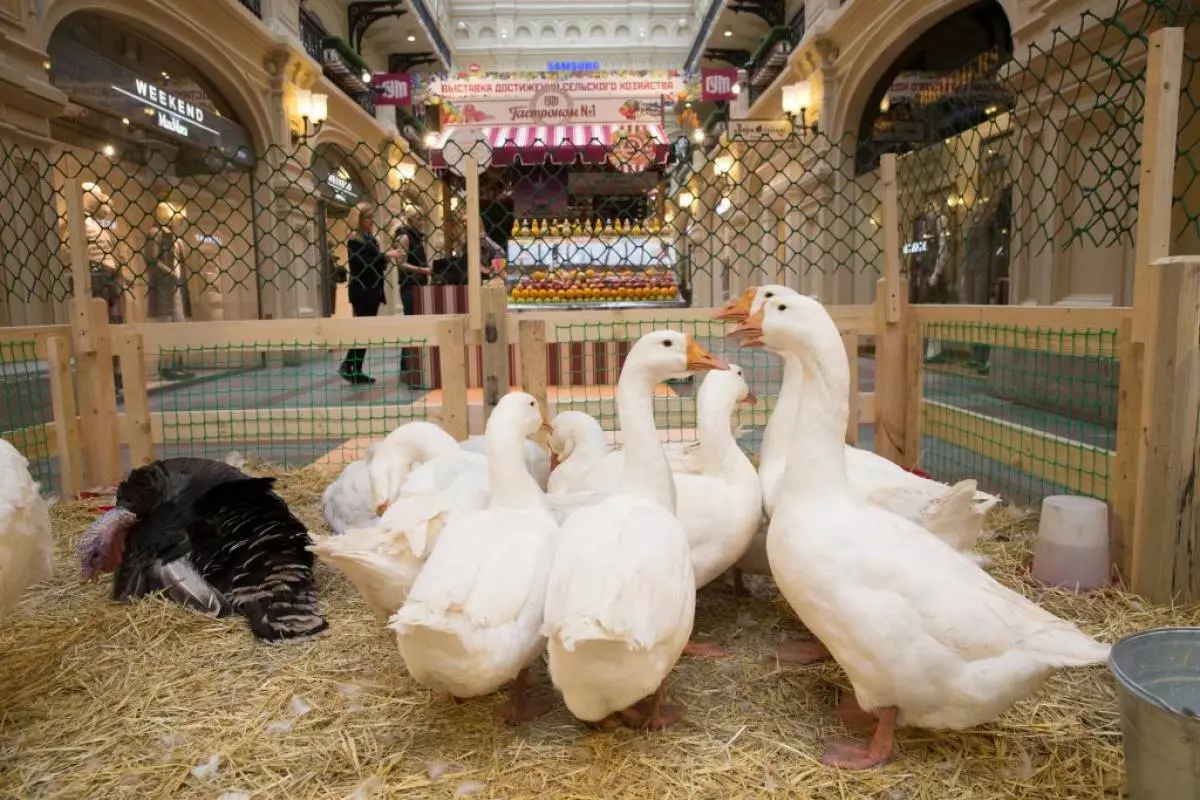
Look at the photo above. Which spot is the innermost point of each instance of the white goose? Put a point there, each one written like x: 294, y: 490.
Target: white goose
x: 622, y: 593
x: 720, y: 505
x: 953, y: 513
x: 925, y: 636
x: 473, y: 619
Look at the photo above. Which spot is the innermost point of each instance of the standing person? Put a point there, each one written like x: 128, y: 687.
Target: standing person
x: 368, y: 265
x: 408, y: 241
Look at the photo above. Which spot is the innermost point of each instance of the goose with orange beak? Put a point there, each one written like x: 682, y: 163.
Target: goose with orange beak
x: 621, y: 599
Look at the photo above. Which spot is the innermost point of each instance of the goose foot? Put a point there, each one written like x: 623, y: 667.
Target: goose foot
x: 706, y: 650
x: 609, y: 723
x: 652, y: 714
x: 852, y: 716
x: 522, y: 705
x: 458, y: 701
x: 809, y: 651
x: 853, y: 755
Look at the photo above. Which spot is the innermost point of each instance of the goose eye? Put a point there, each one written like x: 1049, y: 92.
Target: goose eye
x: 532, y: 403
x: 666, y: 342
x: 783, y: 308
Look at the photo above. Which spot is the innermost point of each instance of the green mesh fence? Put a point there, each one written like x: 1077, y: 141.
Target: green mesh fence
x: 289, y: 403
x: 1027, y: 412
x: 25, y: 408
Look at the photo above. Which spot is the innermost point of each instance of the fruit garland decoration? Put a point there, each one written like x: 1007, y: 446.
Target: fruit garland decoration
x: 632, y: 150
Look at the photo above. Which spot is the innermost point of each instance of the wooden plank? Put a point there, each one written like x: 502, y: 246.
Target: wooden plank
x: 1156, y: 183
x: 850, y: 342
x: 452, y: 354
x: 35, y: 442
x: 891, y: 237
x: 77, y: 249
x: 1166, y: 530
x: 137, y: 399
x: 890, y: 352
x: 914, y: 380
x: 474, y: 265
x: 1129, y: 422
x: 69, y: 446
x: 496, y: 380
x: 98, y: 399
x: 271, y: 333
x: 532, y: 333
x: 629, y: 324
x: 280, y: 424
x: 1079, y: 467
x: 1050, y: 317
x: 40, y: 334
x: 1093, y: 343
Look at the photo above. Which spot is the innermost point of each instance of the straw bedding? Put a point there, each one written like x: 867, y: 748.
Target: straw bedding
x: 148, y: 700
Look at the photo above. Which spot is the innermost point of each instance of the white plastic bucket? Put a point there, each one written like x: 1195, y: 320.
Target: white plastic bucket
x: 1071, y: 550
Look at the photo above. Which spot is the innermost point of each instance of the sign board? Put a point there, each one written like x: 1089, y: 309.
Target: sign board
x: 626, y: 85
x: 333, y: 180
x: 551, y: 107
x: 776, y: 130
x: 919, y: 246
x: 181, y: 111
x: 907, y: 86
x: 613, y: 184
x: 573, y: 66
x: 395, y: 89
x: 717, y: 85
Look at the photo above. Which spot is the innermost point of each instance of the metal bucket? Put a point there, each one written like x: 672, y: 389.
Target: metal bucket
x: 1158, y: 686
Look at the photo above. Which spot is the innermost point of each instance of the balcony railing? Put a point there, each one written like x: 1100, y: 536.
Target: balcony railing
x: 255, y: 7
x: 772, y: 54
x: 341, y: 65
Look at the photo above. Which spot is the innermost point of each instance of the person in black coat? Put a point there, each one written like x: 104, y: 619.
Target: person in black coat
x: 368, y: 279
x: 408, y: 238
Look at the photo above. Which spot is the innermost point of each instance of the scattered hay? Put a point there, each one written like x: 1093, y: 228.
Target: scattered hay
x: 147, y: 700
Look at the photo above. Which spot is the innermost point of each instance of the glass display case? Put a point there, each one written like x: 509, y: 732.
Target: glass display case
x: 578, y: 264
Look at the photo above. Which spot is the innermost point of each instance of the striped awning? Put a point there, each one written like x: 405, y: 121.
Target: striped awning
x: 562, y: 144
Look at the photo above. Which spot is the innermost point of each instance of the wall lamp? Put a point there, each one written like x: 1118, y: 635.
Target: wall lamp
x: 312, y: 109
x: 797, y: 98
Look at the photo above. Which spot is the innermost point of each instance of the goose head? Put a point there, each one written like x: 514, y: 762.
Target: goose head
x: 740, y: 308
x: 793, y: 323
x: 390, y: 463
x: 727, y: 388
x: 518, y: 412
x: 662, y: 355
x: 573, y: 431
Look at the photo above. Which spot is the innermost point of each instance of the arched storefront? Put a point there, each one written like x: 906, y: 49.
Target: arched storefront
x: 341, y: 188
x: 937, y: 99
x: 168, y: 177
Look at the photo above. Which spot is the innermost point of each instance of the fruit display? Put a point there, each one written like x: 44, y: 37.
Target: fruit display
x: 596, y: 286
x: 556, y: 228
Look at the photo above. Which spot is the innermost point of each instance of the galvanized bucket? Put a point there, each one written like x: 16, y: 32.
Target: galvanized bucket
x: 1158, y: 686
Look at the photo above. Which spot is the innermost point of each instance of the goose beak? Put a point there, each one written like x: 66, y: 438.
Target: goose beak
x: 737, y: 309
x: 750, y: 330
x: 750, y: 399
x: 700, y: 360
x: 381, y: 508
x: 545, y: 428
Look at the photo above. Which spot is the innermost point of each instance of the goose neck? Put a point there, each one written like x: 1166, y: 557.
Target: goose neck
x: 816, y: 461
x: 646, y: 473
x: 508, y: 475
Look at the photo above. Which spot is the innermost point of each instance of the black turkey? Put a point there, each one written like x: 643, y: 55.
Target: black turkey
x: 211, y: 538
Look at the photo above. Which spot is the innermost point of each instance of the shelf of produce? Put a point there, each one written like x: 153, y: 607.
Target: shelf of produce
x: 600, y: 306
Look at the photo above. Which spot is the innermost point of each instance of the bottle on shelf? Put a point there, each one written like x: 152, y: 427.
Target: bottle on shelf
x: 525, y: 229
x: 597, y: 229
x: 637, y: 229
x: 516, y: 227
x: 545, y: 228
x: 535, y: 230
x: 608, y: 227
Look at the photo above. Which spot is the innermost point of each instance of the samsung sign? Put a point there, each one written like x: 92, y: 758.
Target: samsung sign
x: 573, y: 66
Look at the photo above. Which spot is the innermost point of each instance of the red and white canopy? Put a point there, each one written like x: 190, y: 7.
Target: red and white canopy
x: 563, y: 144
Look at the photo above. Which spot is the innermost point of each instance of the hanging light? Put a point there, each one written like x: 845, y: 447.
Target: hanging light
x: 686, y: 198
x: 698, y: 136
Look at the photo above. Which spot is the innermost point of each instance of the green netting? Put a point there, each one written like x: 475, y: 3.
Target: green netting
x: 286, y: 402
x: 25, y: 408
x: 587, y: 359
x: 1028, y: 412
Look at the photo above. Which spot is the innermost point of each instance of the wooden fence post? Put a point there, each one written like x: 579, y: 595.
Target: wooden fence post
x: 93, y: 353
x: 1166, y: 524
x: 452, y: 356
x: 1124, y: 480
x: 132, y: 354
x: 494, y: 356
x: 534, y: 378
x: 66, y: 417
x: 914, y: 408
x: 890, y: 330
x: 1151, y: 552
x: 474, y: 263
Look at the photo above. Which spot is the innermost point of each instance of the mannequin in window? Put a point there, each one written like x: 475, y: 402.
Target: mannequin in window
x: 167, y: 295
x: 101, y: 227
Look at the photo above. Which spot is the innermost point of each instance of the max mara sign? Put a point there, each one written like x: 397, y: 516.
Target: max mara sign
x: 170, y: 113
